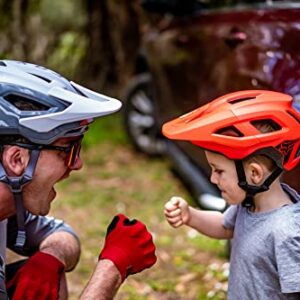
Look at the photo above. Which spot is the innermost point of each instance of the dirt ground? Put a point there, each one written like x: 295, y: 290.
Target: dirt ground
x: 117, y: 179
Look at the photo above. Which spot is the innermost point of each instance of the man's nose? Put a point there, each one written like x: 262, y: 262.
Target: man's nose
x: 77, y: 165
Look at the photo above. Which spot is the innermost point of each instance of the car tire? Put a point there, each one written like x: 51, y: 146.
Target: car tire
x: 139, y: 116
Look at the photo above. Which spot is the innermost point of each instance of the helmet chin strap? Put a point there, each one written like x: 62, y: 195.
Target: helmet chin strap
x: 252, y: 190
x: 16, y: 184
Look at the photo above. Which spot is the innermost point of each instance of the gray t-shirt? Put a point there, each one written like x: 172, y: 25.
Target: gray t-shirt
x: 37, y: 229
x: 265, y: 255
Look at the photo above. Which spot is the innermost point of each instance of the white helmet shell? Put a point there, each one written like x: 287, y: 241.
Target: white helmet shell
x: 64, y: 108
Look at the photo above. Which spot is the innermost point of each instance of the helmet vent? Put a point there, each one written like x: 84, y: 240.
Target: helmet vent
x: 233, y: 101
x: 295, y: 117
x: 41, y: 77
x: 229, y: 131
x: 298, y: 152
x: 265, y: 126
x: 79, y: 91
x: 25, y: 104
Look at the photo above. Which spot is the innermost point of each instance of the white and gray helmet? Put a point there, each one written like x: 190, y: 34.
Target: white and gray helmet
x: 64, y: 107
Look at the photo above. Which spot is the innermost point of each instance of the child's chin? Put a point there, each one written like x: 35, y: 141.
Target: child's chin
x: 233, y: 201
x: 225, y: 197
x: 228, y: 200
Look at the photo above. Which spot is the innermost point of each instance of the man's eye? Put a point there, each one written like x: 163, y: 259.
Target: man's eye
x: 218, y: 171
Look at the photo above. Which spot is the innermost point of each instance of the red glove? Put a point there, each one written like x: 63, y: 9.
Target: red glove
x: 129, y: 246
x: 38, y: 278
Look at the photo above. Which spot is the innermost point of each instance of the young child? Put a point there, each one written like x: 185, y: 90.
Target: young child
x: 249, y: 138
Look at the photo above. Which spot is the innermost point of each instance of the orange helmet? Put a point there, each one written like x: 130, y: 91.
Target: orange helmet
x: 240, y: 113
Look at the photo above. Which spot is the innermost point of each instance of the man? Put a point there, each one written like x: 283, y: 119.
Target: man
x: 43, y: 118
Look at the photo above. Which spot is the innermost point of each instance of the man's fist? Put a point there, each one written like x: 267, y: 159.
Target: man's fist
x: 129, y: 245
x: 38, y: 278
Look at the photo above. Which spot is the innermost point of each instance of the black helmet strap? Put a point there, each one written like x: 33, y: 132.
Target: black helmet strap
x: 252, y: 190
x: 16, y: 185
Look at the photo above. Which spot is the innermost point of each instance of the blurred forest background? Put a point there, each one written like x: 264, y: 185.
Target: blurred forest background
x: 92, y: 42
x: 96, y: 43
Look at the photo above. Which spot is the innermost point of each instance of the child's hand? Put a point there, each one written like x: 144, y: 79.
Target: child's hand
x: 177, y: 212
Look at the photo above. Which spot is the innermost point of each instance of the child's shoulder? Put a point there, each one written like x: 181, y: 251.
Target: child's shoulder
x: 287, y: 222
x: 294, y: 195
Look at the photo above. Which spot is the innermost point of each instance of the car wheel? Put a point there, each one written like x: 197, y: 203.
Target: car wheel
x: 139, y: 116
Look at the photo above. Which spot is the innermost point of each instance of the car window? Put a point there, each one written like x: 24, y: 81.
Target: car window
x: 213, y: 4
x: 190, y: 7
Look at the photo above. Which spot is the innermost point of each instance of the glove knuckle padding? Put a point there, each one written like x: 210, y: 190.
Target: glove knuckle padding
x: 139, y: 229
x: 128, y: 246
x: 128, y: 222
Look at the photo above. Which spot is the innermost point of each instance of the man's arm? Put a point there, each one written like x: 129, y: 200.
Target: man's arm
x: 53, y: 248
x: 64, y: 246
x: 128, y: 249
x: 104, y: 283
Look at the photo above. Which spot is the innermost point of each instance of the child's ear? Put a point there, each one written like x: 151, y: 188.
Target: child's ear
x: 255, y: 173
x: 15, y: 160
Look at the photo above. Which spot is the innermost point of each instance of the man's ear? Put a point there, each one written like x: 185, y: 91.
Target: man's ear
x: 15, y: 160
x: 255, y: 173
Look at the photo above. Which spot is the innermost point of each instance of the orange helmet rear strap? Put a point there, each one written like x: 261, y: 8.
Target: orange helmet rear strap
x: 252, y: 190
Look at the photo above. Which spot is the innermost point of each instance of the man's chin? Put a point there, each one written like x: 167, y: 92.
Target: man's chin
x: 44, y: 210
x: 39, y: 212
x: 52, y: 195
x: 43, y: 213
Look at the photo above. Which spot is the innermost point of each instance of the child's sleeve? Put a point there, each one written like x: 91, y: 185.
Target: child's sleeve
x: 230, y: 217
x: 288, y: 264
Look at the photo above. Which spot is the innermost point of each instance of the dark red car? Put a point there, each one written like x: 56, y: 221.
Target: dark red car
x: 195, y: 55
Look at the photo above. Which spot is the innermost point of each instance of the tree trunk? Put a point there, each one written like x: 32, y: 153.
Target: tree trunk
x: 13, y: 28
x: 113, y: 40
x: 18, y: 29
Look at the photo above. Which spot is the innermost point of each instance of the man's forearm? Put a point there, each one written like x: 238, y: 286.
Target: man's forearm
x: 64, y: 246
x: 104, y: 283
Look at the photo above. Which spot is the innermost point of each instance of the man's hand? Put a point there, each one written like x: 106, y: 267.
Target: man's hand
x: 129, y: 246
x: 38, y: 278
x: 177, y: 212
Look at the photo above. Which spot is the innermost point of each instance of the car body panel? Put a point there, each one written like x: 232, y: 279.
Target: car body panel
x: 196, y: 59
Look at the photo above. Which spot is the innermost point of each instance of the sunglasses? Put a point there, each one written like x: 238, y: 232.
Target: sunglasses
x: 72, y: 151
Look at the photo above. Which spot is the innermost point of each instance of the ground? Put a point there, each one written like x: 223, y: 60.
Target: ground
x: 117, y: 179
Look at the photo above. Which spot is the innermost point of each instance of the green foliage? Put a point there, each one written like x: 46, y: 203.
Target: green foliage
x: 203, y: 243
x: 63, y: 15
x: 68, y: 54
x: 104, y: 130
x: 66, y: 20
x: 4, y: 55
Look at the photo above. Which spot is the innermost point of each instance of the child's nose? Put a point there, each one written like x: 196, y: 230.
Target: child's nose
x: 213, y: 178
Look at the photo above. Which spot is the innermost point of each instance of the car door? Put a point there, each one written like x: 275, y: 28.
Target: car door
x: 225, y: 47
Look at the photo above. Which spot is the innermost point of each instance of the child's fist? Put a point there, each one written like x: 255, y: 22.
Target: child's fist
x: 177, y: 212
